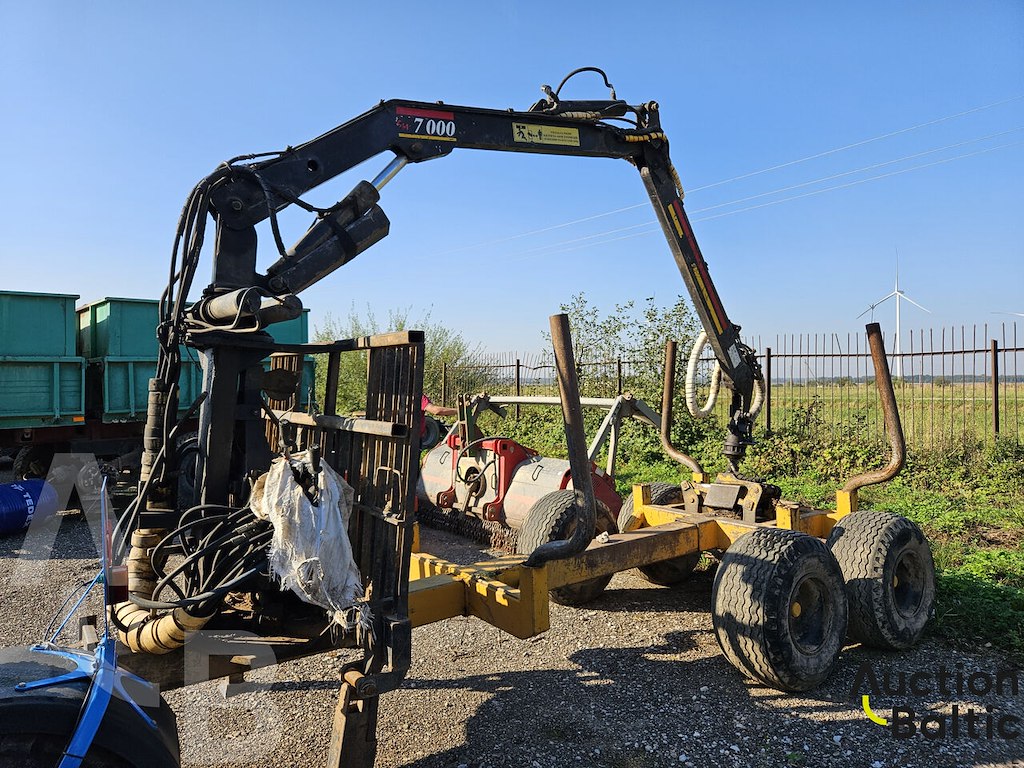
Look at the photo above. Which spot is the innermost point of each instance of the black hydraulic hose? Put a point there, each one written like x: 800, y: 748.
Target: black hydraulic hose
x: 213, y: 594
x: 233, y: 537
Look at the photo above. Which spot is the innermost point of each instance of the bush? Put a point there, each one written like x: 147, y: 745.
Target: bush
x: 441, y: 346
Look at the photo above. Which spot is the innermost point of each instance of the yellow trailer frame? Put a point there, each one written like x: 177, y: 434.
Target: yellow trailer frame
x: 514, y: 598
x: 508, y: 594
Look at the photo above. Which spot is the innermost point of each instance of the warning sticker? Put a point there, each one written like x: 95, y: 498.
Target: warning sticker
x: 734, y: 356
x: 525, y: 133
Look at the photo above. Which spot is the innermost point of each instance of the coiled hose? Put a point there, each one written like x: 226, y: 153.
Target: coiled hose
x: 221, y: 548
x: 141, y: 629
x: 690, y: 388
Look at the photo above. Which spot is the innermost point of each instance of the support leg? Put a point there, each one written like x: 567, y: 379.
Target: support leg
x: 354, y: 737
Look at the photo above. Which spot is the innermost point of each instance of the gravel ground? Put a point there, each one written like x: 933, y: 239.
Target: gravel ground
x: 636, y: 680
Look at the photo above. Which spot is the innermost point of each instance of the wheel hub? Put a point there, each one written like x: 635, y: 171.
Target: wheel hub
x: 810, y: 615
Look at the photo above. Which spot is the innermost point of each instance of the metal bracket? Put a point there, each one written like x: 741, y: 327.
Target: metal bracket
x: 106, y: 681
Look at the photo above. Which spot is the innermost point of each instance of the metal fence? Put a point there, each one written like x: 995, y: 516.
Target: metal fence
x: 952, y: 384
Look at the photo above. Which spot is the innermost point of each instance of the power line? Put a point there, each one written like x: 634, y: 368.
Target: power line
x: 540, y: 248
x: 559, y: 247
x: 541, y: 230
x: 633, y: 207
x: 862, y: 181
x: 859, y: 170
x: 861, y: 143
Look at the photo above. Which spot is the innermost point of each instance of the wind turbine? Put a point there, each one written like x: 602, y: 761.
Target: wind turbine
x: 898, y: 294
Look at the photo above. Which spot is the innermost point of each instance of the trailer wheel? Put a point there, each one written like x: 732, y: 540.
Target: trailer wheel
x: 667, y: 573
x: 434, y: 431
x: 188, y: 460
x: 779, y: 608
x: 35, y: 726
x: 553, y: 518
x: 43, y: 750
x: 33, y: 462
x: 890, y: 577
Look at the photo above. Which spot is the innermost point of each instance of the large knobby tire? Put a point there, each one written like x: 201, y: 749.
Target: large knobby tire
x: 779, y: 608
x: 667, y: 573
x: 553, y: 518
x: 890, y: 578
x: 33, y: 462
x: 35, y: 726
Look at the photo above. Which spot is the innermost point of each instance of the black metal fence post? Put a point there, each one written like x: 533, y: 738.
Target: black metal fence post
x: 519, y: 384
x: 768, y: 390
x: 995, y: 389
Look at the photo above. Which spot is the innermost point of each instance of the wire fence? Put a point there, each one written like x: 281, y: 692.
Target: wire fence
x: 952, y: 384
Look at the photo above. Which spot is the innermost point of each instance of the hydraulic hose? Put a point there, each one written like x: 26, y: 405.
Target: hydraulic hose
x: 691, y: 381
x: 690, y: 388
x: 142, y: 630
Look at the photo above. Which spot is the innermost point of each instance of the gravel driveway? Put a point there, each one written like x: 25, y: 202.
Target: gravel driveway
x: 636, y: 680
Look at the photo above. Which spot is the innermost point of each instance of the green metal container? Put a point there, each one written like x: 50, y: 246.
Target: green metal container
x: 37, y: 324
x: 42, y: 381
x: 119, y: 386
x: 41, y: 391
x: 115, y: 327
x: 118, y: 336
x: 291, y: 331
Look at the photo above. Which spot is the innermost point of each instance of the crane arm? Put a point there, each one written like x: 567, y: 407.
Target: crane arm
x: 418, y: 131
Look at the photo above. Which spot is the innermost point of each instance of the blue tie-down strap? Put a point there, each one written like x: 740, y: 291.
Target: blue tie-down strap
x: 106, y: 681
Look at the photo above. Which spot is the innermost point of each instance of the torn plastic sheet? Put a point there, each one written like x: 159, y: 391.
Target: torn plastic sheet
x: 310, y: 553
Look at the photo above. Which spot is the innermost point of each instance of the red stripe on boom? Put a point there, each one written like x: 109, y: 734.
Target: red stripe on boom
x: 414, y: 112
x: 701, y: 266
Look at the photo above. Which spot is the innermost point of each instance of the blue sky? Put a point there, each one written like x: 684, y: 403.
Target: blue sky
x: 113, y: 111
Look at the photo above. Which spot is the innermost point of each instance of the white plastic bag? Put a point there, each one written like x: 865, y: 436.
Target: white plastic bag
x: 310, y: 553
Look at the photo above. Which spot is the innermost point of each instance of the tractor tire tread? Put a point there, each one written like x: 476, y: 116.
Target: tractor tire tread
x: 548, y: 520
x: 861, y: 543
x: 746, y: 595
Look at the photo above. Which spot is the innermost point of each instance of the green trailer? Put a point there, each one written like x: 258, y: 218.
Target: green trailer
x: 76, y: 379
x: 42, y: 375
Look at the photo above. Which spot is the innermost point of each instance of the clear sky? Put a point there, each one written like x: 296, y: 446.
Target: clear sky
x: 113, y: 111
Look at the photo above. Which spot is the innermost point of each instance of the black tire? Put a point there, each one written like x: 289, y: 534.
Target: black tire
x: 553, y: 518
x: 33, y: 462
x: 760, y: 600
x: 35, y: 726
x: 187, y: 459
x: 890, y: 578
x: 667, y: 573
x: 433, y: 432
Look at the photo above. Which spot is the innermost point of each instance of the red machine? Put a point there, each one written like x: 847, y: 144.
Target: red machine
x: 487, y: 487
x: 495, y: 479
